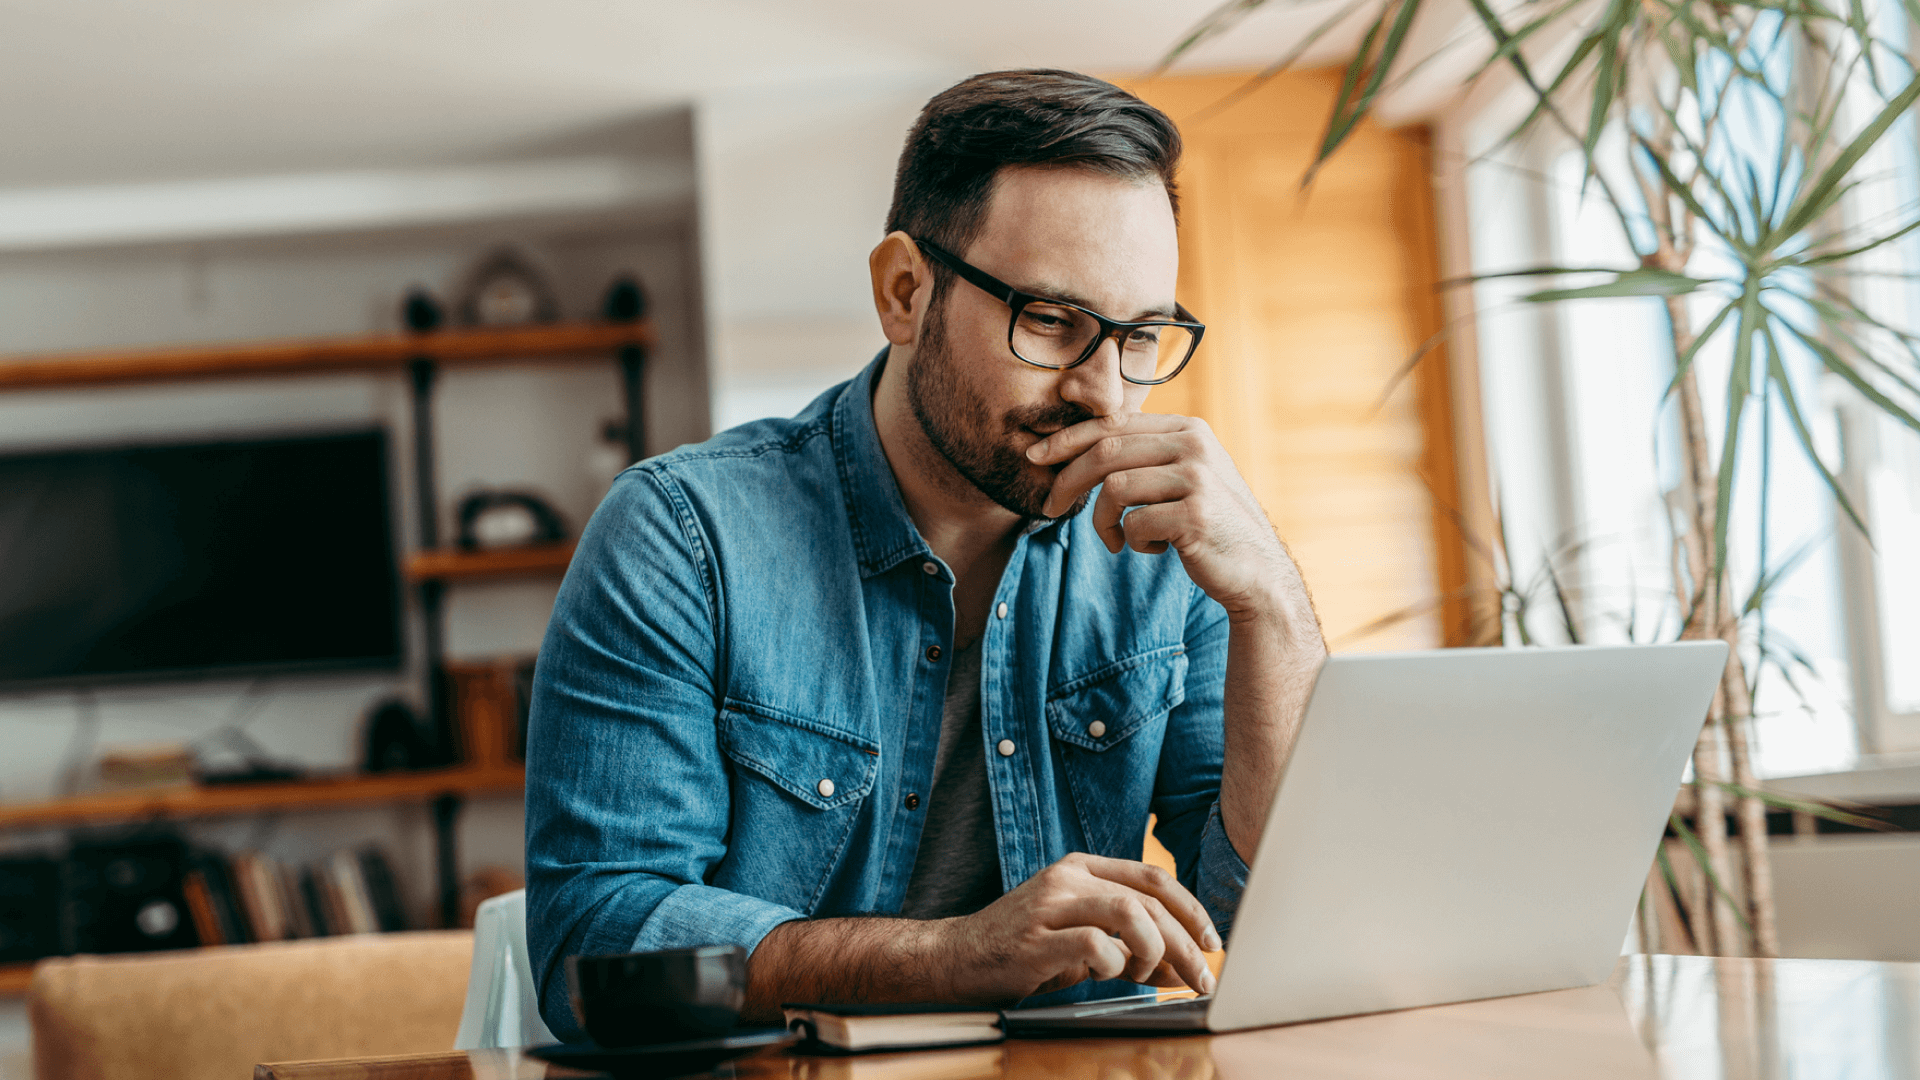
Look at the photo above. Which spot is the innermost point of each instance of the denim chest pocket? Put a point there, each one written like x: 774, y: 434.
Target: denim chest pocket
x: 797, y: 786
x: 1109, y: 727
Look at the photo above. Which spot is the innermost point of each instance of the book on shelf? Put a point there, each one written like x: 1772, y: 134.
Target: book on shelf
x: 214, y: 872
x: 356, y: 906
x: 299, y: 915
x: 206, y: 921
x: 894, y: 1027
x: 382, y: 891
x: 257, y: 881
x: 313, y: 893
x: 250, y: 896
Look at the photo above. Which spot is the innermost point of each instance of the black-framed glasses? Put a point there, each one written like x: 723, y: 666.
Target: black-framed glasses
x: 1056, y: 335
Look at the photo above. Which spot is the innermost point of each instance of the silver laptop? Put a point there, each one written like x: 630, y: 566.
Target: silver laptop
x: 1454, y: 825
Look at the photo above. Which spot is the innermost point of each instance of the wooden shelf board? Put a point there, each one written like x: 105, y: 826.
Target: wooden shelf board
x: 226, y: 799
x: 317, y: 355
x: 448, y: 564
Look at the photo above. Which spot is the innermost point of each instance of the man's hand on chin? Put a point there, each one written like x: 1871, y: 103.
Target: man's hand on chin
x: 1169, y: 483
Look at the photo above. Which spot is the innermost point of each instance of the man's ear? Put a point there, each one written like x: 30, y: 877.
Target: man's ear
x: 902, y: 286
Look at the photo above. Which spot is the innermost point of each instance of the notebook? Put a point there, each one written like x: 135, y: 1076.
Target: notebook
x: 855, y: 1028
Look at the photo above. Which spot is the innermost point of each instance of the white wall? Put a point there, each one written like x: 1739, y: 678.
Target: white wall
x: 794, y: 187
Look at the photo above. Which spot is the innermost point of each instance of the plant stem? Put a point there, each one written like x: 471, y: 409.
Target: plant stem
x: 1718, y: 927
x: 1710, y: 615
x: 1751, y: 812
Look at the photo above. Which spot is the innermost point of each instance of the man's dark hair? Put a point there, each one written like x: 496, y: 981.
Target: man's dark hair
x: 973, y: 129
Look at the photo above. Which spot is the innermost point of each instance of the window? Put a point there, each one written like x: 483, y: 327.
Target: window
x: 1585, y: 464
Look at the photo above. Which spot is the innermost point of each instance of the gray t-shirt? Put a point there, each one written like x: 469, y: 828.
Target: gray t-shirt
x: 957, y: 869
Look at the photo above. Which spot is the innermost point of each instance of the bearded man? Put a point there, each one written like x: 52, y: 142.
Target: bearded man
x: 885, y: 692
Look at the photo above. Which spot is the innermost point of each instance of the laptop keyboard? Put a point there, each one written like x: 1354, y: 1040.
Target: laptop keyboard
x: 1193, y: 1006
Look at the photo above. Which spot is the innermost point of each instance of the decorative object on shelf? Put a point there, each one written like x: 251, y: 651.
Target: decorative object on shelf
x: 396, y: 739
x: 626, y: 300
x: 130, y: 767
x: 29, y: 909
x: 505, y: 290
x: 495, y: 519
x: 125, y: 896
x: 491, y: 710
x: 421, y: 311
x: 247, y: 762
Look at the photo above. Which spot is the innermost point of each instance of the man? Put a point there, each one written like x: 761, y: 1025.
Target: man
x: 885, y: 692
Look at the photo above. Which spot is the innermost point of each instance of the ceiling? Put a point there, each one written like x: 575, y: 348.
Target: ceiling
x: 136, y: 91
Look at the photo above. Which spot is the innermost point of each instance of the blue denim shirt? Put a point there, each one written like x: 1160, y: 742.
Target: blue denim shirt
x: 740, y: 687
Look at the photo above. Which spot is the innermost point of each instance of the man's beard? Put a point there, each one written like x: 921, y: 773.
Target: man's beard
x: 979, y: 448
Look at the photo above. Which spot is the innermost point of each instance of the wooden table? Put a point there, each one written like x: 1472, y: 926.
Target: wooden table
x: 1689, y: 1017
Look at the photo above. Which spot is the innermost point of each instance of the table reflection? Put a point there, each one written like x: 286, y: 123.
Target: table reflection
x: 1690, y: 1017
x: 1738, y: 1018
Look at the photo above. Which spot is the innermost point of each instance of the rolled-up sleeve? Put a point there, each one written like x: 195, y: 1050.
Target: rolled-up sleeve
x: 627, y: 791
x: 1186, y: 796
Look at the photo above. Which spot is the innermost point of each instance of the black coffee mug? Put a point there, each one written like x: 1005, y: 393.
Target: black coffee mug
x: 654, y: 997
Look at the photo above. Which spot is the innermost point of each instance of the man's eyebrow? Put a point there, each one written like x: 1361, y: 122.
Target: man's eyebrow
x: 1167, y: 310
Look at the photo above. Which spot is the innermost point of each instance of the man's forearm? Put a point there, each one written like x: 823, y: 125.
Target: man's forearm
x: 844, y: 961
x: 1272, y: 658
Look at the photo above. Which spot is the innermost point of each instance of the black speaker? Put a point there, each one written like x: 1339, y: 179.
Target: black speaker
x: 29, y: 909
x: 125, y: 896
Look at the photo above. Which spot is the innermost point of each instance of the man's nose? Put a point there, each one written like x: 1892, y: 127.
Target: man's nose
x: 1095, y: 383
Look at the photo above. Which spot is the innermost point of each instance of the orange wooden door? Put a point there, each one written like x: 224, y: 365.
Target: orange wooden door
x: 1314, y: 300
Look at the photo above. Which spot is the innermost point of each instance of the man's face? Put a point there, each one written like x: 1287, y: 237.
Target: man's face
x: 1102, y: 242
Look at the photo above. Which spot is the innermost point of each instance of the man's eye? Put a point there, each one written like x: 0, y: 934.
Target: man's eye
x: 1045, y: 319
x: 1146, y: 337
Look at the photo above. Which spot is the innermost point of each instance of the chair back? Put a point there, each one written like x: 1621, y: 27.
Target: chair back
x: 219, y: 1011
x: 503, y: 1005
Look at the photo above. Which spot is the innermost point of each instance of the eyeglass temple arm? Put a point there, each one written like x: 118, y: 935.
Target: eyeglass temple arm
x: 973, y: 274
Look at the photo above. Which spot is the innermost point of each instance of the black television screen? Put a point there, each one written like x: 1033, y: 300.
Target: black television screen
x: 197, y: 559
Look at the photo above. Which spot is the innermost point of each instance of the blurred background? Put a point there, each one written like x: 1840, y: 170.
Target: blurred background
x: 213, y: 218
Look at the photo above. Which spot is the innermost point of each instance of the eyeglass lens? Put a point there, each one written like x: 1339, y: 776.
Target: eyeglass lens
x: 1053, y: 335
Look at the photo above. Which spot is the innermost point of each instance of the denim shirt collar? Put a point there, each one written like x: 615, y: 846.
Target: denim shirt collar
x: 884, y: 535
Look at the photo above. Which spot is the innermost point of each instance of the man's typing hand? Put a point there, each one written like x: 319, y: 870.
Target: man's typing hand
x: 1084, y: 917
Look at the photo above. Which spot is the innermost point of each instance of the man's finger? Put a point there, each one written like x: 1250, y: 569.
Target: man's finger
x: 1150, y: 530
x: 1151, y: 933
x: 1121, y: 913
x: 1183, y: 953
x: 1162, y: 886
x: 1117, y: 454
x: 1090, y: 947
x: 1071, y: 441
x: 1135, y: 487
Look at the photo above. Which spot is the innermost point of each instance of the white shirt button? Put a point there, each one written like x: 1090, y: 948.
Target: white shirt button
x: 1001, y: 611
x: 826, y: 789
x: 1097, y: 728
x: 1005, y: 748
x: 932, y: 569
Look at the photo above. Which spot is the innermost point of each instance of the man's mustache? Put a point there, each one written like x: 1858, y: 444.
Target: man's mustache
x: 1047, y: 417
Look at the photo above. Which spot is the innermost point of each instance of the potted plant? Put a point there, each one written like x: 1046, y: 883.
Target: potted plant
x: 1783, y: 276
